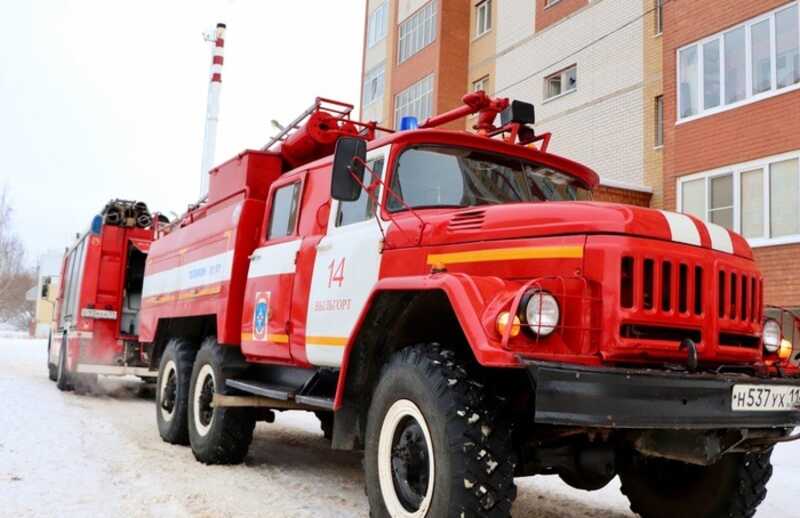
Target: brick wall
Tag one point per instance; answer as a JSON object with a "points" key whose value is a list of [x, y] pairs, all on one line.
{"points": [[546, 16], [756, 130], [619, 195]]}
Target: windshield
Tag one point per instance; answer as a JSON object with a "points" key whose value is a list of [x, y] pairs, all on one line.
{"points": [[432, 176]]}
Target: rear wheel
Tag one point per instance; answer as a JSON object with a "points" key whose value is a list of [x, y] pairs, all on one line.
{"points": [[52, 368], [436, 444], [218, 435], [733, 487], [63, 377], [172, 391]]}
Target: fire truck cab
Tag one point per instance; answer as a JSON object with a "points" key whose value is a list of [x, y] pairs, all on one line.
{"points": [[97, 319], [456, 305]]}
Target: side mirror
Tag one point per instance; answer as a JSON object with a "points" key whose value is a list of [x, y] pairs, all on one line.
{"points": [[348, 161]]}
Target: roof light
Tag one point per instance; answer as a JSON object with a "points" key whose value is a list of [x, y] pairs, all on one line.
{"points": [[409, 122]]}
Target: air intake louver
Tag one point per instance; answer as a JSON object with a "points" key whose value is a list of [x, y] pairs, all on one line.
{"points": [[468, 220]]}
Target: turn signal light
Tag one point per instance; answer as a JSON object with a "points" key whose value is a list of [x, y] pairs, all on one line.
{"points": [[504, 320], [785, 350]]}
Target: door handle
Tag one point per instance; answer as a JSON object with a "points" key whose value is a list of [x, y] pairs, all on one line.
{"points": [[324, 248], [254, 257]]}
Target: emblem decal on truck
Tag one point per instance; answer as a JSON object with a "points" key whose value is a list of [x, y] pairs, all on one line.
{"points": [[261, 316]]}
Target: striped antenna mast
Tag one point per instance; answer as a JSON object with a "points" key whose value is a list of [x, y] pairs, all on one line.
{"points": [[212, 109]]}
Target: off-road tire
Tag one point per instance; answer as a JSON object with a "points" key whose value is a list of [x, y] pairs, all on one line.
{"points": [[63, 378], [471, 439], [171, 412], [229, 431], [52, 369], [325, 424], [733, 487]]}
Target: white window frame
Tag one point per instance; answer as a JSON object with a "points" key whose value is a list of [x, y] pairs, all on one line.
{"points": [[377, 24], [550, 3], [658, 134], [563, 74], [412, 31], [749, 98], [426, 86], [486, 7], [481, 84], [373, 73], [658, 11], [736, 170]]}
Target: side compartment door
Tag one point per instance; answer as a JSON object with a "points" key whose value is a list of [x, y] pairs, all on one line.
{"points": [[345, 270], [266, 313]]}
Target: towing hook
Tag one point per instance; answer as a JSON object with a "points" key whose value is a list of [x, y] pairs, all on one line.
{"points": [[691, 360]]}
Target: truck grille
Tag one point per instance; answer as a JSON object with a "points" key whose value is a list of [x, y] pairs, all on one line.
{"points": [[737, 296], [662, 285], [668, 299]]}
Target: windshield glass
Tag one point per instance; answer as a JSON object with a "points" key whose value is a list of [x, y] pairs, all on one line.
{"points": [[432, 176]]}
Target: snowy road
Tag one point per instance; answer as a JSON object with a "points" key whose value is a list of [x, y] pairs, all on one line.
{"points": [[100, 455]]}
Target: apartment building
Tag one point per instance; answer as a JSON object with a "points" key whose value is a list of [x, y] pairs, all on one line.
{"points": [[732, 121], [420, 57], [682, 105]]}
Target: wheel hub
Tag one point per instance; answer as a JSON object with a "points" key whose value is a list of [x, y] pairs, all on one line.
{"points": [[410, 463], [168, 397], [205, 410]]}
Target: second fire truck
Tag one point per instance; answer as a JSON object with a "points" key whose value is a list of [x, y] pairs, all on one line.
{"points": [[97, 316]]}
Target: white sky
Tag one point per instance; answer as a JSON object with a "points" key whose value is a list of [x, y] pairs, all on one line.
{"points": [[106, 98]]}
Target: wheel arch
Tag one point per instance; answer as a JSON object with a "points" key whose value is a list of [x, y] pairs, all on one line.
{"points": [[194, 329], [401, 313]]}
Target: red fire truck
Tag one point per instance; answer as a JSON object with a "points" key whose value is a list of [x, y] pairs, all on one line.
{"points": [[97, 320], [456, 305]]}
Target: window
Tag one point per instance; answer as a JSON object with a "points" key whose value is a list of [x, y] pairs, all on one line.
{"points": [[432, 176], [483, 17], [373, 85], [364, 207], [756, 59], [658, 11], [416, 100], [756, 199], [561, 82], [481, 84], [376, 25], [417, 32], [283, 216], [659, 133]]}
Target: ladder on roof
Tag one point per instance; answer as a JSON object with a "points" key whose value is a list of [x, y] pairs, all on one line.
{"points": [[340, 109]]}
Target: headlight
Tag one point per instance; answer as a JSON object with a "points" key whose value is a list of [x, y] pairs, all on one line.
{"points": [[541, 312], [771, 335]]}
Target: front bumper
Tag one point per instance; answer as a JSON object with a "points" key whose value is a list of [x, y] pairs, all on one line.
{"points": [[646, 399]]}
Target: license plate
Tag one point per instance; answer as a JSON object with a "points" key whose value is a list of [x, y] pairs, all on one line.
{"points": [[765, 398]]}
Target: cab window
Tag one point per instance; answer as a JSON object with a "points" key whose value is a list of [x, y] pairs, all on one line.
{"points": [[364, 207], [283, 216]]}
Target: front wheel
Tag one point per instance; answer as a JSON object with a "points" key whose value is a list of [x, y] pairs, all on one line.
{"points": [[733, 487], [435, 443], [218, 435]]}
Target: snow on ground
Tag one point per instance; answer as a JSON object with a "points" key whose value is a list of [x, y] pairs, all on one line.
{"points": [[62, 454]]}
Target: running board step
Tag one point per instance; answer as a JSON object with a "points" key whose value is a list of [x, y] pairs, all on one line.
{"points": [[319, 402], [280, 393], [262, 389]]}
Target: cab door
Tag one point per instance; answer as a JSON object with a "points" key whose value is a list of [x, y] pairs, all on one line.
{"points": [[346, 268], [266, 330]]}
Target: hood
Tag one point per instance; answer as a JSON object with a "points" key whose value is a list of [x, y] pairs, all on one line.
{"points": [[526, 220]]}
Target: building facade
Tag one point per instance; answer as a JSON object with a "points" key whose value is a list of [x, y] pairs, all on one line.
{"points": [[731, 140], [420, 57], [687, 106]]}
